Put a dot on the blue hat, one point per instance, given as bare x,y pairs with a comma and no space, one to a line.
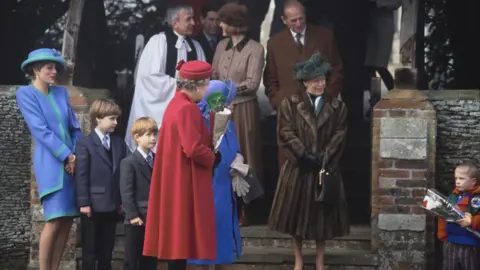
227,89
50,55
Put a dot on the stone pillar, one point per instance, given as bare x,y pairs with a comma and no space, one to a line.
403,166
81,99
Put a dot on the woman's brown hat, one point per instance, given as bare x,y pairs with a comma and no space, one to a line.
234,15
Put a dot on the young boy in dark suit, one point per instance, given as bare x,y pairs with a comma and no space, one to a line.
135,174
97,181
461,248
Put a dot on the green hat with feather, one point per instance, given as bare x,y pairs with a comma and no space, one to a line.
312,68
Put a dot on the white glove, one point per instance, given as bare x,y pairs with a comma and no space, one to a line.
240,186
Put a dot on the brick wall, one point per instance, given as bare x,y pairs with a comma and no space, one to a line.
403,154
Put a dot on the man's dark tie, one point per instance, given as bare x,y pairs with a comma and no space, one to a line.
298,38
150,161
105,142
213,44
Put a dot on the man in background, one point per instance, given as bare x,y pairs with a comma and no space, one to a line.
155,79
210,34
294,44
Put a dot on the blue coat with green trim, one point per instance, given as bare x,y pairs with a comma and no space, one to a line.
55,130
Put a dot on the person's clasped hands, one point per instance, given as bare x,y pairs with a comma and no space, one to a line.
311,162
70,164
136,221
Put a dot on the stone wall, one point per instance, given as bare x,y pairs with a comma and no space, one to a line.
14,180
458,131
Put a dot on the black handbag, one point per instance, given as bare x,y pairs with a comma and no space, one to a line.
329,185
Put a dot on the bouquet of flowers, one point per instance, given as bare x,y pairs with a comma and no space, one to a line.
438,205
220,126
220,114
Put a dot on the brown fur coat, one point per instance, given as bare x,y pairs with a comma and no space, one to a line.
294,209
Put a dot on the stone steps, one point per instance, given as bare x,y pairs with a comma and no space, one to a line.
273,258
261,236
268,250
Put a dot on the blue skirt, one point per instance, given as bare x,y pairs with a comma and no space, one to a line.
226,221
61,203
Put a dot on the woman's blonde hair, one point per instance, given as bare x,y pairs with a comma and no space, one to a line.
102,108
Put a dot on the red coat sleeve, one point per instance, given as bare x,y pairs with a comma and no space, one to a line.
190,135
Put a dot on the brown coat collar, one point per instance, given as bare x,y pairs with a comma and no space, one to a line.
305,109
239,46
309,42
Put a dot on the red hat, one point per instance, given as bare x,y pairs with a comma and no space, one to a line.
195,70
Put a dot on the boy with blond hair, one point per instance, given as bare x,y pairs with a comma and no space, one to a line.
97,185
461,248
135,174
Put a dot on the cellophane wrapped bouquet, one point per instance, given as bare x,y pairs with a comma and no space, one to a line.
221,114
438,205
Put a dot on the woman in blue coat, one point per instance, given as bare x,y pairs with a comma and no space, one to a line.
55,130
229,242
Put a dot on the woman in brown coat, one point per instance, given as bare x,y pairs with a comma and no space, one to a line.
311,125
241,60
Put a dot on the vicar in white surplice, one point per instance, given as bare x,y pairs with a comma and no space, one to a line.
155,82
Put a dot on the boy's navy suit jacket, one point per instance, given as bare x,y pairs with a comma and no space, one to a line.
135,176
97,177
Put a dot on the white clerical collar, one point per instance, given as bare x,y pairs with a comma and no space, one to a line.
180,41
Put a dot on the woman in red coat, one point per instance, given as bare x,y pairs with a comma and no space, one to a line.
181,214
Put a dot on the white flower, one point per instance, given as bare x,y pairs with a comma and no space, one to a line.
431,204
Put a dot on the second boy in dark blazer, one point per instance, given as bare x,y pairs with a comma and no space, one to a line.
97,184
135,175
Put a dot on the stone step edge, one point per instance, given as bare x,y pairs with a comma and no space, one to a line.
360,233
343,257
269,255
356,233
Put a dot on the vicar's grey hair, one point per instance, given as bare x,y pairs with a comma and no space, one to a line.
174,10
190,85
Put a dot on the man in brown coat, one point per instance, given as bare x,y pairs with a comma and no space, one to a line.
296,43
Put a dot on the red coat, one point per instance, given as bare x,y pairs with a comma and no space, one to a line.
181,213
